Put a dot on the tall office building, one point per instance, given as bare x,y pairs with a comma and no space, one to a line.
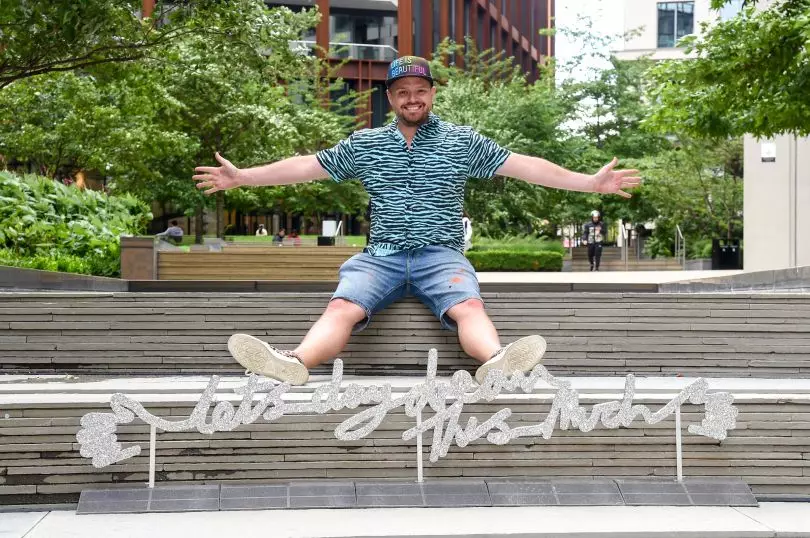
371,33
655,26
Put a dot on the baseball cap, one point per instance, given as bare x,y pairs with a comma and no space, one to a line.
408,66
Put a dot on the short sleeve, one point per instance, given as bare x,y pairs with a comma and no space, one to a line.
485,156
338,161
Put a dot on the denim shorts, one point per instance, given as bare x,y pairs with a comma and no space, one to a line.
439,276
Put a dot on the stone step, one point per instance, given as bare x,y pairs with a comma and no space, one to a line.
747,334
41,460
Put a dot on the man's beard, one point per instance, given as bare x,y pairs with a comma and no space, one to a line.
402,119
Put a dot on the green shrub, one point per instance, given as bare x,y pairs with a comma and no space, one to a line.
700,248
517,243
47,225
515,260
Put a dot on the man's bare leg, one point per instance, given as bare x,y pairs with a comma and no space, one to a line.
476,333
479,339
330,334
324,341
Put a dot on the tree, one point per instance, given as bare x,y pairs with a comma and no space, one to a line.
698,187
750,74
44,37
494,97
145,125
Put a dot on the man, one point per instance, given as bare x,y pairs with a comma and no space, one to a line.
593,236
414,170
173,232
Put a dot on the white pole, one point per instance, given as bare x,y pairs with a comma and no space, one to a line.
152,443
419,447
678,449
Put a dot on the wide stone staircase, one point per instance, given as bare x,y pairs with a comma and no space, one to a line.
612,261
63,354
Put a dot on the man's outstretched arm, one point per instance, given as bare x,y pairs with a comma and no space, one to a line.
285,172
542,172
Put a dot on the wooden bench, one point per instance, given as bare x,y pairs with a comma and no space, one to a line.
254,263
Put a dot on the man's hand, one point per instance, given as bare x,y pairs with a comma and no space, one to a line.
610,181
217,179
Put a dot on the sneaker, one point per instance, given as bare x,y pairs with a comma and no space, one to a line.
261,358
519,356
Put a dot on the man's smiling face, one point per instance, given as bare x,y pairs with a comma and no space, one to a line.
411,99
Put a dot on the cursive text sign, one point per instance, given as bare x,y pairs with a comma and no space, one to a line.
446,399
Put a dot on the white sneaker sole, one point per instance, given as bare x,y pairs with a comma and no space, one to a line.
257,357
521,356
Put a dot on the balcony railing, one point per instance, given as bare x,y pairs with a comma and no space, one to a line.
356,51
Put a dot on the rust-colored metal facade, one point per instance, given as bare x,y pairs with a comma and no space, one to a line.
509,25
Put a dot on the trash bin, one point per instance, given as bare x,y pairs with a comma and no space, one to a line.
726,256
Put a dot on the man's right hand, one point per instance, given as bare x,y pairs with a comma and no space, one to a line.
214,179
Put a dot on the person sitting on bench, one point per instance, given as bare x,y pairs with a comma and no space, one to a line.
173,233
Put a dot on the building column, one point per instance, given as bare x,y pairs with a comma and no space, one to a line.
459,37
322,30
147,8
427,23
405,28
776,196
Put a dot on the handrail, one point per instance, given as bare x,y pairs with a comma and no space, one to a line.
680,247
624,244
383,51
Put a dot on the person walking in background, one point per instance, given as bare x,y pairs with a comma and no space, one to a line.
415,170
592,235
261,231
279,237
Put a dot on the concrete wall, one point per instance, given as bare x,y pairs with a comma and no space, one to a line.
777,203
643,14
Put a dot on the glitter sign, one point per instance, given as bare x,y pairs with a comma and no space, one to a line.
263,399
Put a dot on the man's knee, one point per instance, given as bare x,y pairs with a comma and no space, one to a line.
346,310
464,309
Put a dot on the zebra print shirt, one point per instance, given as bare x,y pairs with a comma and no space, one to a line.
417,194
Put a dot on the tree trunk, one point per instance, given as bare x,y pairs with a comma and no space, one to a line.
221,214
198,225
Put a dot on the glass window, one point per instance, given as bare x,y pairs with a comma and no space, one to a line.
437,23
466,18
479,38
379,105
453,20
675,20
349,32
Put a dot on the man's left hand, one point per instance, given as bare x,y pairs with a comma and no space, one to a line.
610,181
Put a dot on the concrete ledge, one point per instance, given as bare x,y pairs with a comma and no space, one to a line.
795,279
40,453
34,279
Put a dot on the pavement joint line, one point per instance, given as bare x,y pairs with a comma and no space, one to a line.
736,509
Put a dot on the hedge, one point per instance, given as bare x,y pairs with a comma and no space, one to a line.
510,260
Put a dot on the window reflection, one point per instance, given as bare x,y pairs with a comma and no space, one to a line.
675,20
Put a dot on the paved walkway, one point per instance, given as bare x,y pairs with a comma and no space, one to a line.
602,277
767,521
